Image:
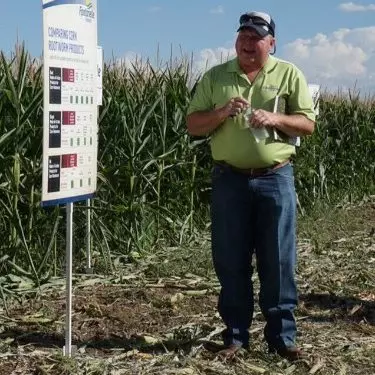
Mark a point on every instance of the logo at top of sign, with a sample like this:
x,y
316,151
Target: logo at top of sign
x,y
87,11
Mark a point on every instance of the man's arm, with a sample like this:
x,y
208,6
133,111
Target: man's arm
x,y
293,125
300,119
204,122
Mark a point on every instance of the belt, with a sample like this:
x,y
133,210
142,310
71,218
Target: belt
x,y
254,172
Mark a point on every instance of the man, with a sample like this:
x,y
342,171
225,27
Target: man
x,y
253,205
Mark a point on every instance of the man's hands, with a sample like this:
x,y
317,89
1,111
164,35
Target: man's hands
x,y
205,122
235,106
293,125
260,118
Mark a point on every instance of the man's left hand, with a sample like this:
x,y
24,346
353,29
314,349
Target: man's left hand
x,y
261,118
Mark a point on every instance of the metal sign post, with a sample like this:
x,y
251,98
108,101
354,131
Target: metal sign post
x,y
69,276
89,269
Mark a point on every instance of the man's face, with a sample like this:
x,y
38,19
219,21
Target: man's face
x,y
252,49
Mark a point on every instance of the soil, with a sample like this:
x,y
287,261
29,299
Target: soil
x,y
151,326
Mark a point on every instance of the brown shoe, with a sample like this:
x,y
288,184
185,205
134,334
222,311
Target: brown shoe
x,y
230,351
291,353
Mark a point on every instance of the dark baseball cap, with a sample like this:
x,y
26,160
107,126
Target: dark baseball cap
x,y
260,22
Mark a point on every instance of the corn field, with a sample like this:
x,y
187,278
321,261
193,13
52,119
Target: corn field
x,y
153,179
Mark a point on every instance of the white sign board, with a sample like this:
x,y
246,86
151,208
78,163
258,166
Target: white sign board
x,y
99,75
315,94
70,100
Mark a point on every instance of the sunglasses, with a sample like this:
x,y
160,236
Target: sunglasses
x,y
245,18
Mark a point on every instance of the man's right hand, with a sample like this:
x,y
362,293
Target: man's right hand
x,y
235,106
205,122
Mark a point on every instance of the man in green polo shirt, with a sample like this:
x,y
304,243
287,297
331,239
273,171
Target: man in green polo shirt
x,y
254,108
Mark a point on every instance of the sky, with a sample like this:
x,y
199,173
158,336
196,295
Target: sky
x,y
332,42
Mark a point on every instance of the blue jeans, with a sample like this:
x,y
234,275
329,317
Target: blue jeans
x,y
255,214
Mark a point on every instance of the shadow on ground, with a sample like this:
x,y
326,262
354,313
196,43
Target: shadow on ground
x,y
341,307
22,337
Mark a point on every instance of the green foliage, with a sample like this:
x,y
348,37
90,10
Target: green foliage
x,y
153,179
337,163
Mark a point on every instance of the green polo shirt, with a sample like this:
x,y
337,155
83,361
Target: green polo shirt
x,y
232,142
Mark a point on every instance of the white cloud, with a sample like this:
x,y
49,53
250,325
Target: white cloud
x,y
130,59
201,61
352,7
209,57
218,10
343,59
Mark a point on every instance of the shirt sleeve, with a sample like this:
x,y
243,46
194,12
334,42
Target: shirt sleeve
x,y
300,100
202,97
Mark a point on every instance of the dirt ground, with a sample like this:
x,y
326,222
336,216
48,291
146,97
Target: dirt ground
x,y
161,325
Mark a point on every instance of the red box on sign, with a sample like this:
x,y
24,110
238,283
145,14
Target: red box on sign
x,y
68,75
69,118
69,160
